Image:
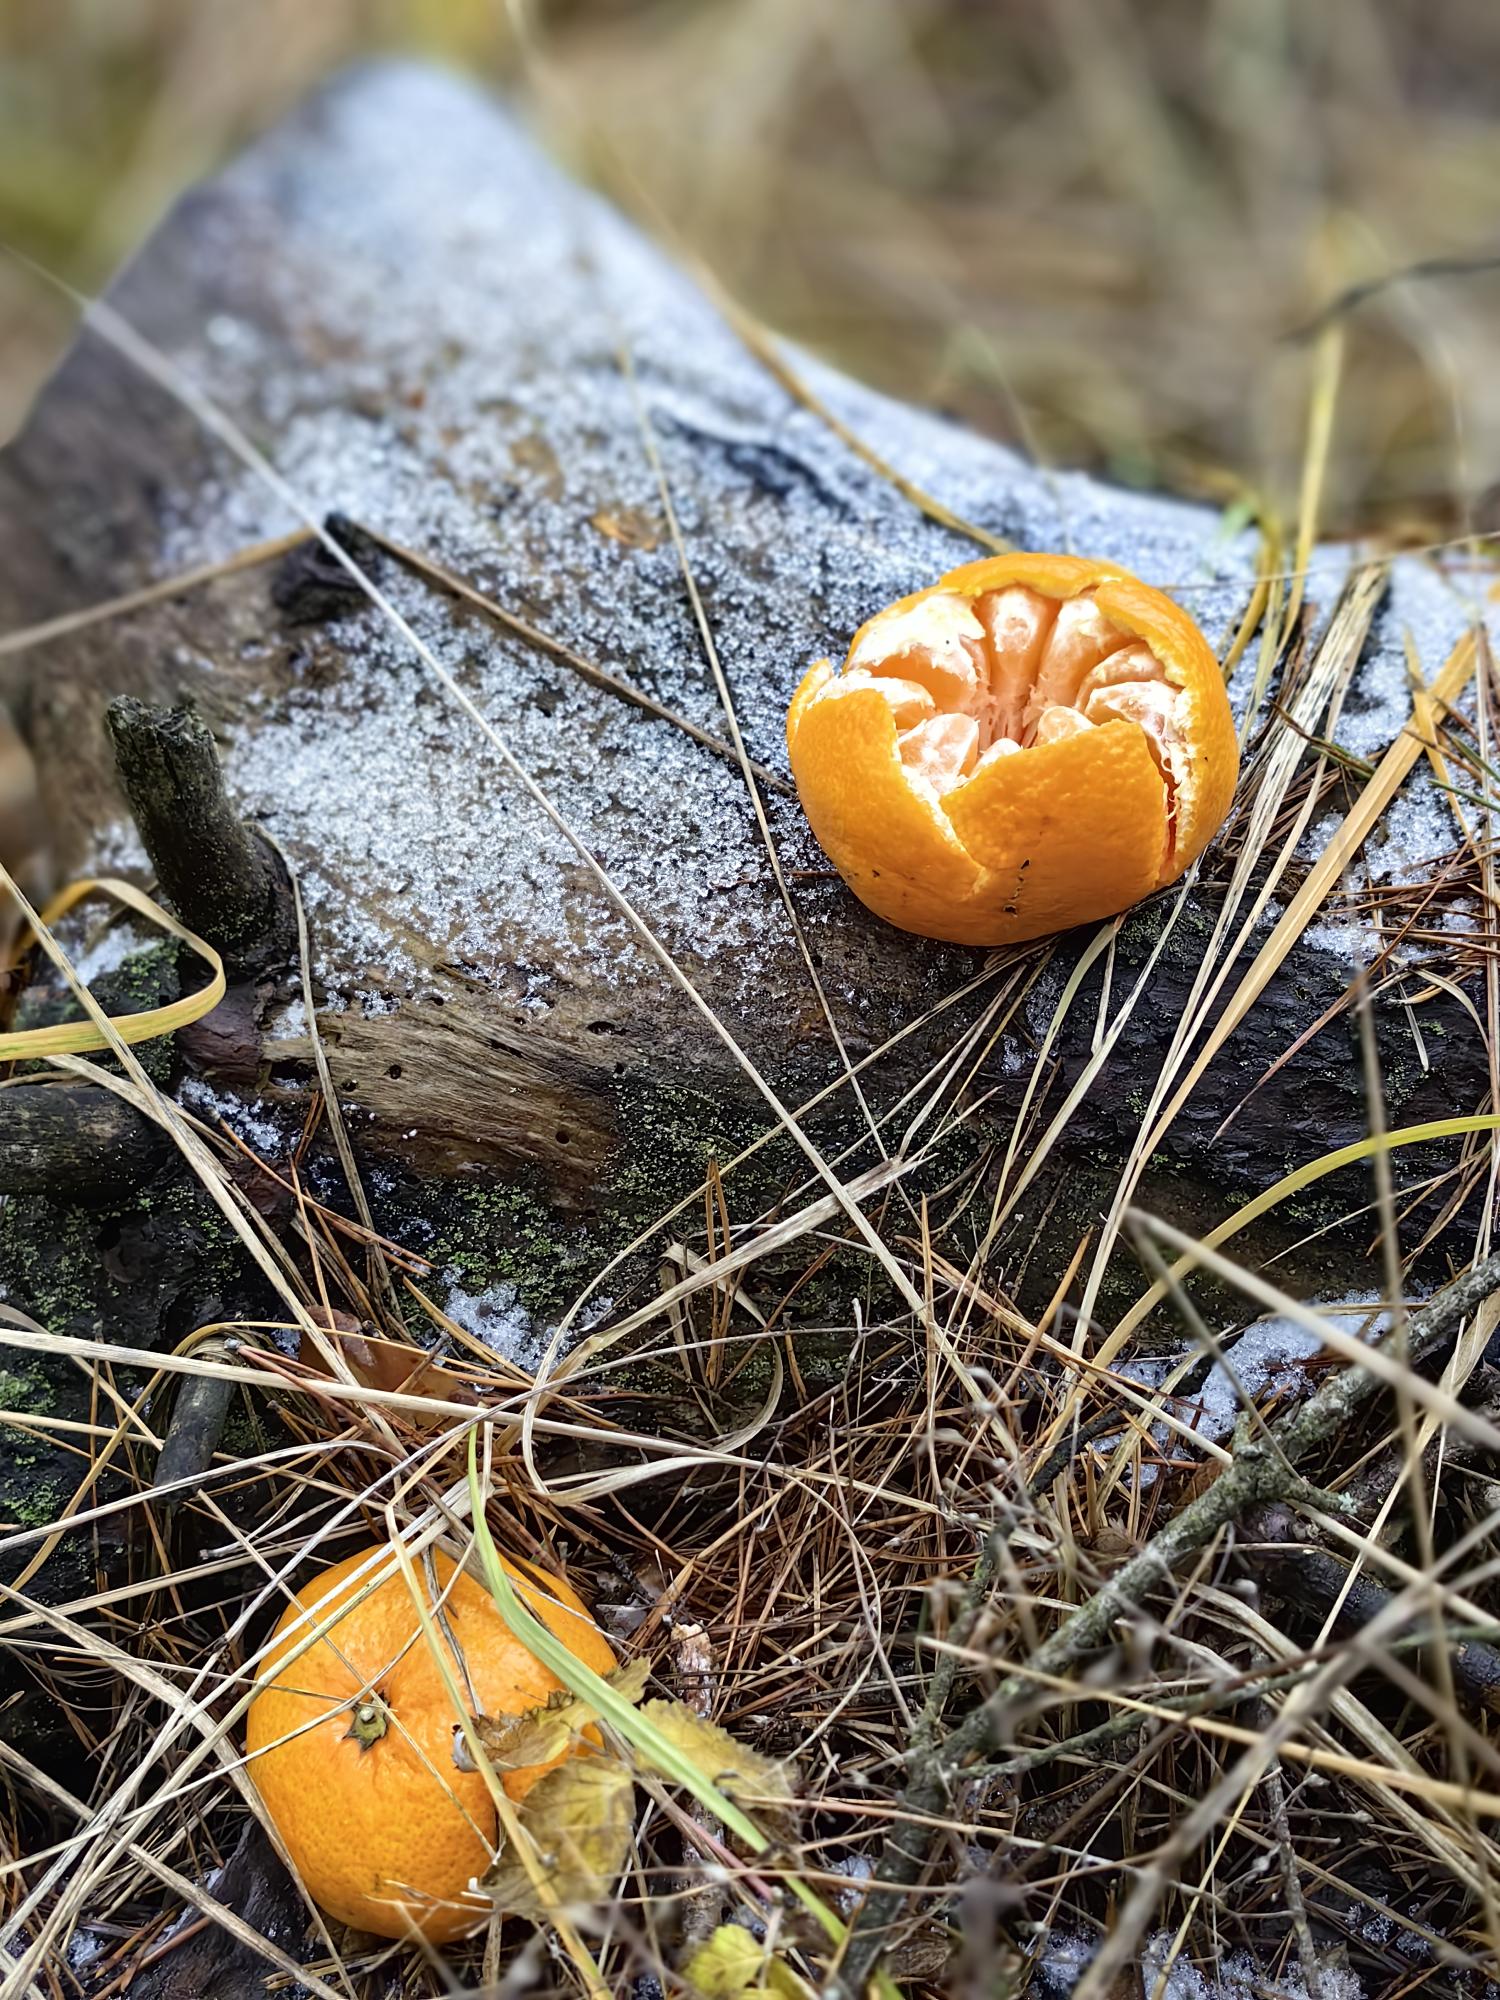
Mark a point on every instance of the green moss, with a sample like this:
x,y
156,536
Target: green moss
x,y
503,1233
671,1132
507,1233
25,1389
38,1508
186,1201
49,1259
100,1273
244,1433
31,1493
146,979
71,1267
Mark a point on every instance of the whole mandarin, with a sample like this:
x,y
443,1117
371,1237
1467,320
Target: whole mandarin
x,y
350,1742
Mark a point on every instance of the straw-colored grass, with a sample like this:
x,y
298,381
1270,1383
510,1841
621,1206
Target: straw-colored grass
x,y
993,1600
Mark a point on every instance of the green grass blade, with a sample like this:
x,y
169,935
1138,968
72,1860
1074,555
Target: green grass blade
x,y
627,1722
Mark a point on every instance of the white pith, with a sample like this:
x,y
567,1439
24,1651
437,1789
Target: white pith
x,y
971,681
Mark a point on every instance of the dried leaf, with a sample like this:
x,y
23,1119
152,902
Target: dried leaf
x,y
545,1733
630,526
926,1953
732,1965
390,1364
750,1779
580,1817
540,1736
631,1680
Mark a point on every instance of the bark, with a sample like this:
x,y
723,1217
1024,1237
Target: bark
x,y
201,1957
75,1142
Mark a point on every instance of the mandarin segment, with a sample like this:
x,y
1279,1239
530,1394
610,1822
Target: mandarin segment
x,y
1080,638
1035,741
350,1742
936,640
944,751
1017,623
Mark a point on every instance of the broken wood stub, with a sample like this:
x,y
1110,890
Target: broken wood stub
x,y
219,875
75,1142
199,1412
311,584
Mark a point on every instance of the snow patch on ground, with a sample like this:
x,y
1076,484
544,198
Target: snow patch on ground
x,y
84,1946
496,1318
288,1023
257,1124
1264,1360
107,949
1236,1976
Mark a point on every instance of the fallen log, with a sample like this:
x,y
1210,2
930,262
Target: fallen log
x,y
432,333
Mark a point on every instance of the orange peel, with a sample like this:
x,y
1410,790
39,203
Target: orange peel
x,y
1033,742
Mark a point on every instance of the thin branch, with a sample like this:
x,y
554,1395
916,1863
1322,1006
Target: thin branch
x,y
1261,1472
586,669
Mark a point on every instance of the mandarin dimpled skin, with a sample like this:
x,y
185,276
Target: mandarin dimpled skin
x,y
383,1828
1033,742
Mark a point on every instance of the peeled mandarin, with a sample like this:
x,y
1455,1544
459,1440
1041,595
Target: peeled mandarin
x,y
1033,742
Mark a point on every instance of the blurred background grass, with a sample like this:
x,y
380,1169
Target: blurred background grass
x,y
1087,226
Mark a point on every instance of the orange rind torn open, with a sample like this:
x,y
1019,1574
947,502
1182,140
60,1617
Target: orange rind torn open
x,y
1036,741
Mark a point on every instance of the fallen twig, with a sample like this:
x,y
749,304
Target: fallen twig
x,y
1310,1578
557,649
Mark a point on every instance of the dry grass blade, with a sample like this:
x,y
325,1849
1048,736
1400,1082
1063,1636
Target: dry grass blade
x,y
588,670
1394,768
379,1270
254,557
748,768
76,1037
977,1573
766,349
1331,673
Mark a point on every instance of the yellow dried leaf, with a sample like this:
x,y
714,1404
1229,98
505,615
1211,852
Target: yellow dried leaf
x,y
543,1734
579,1817
540,1736
742,1774
630,1680
732,1965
